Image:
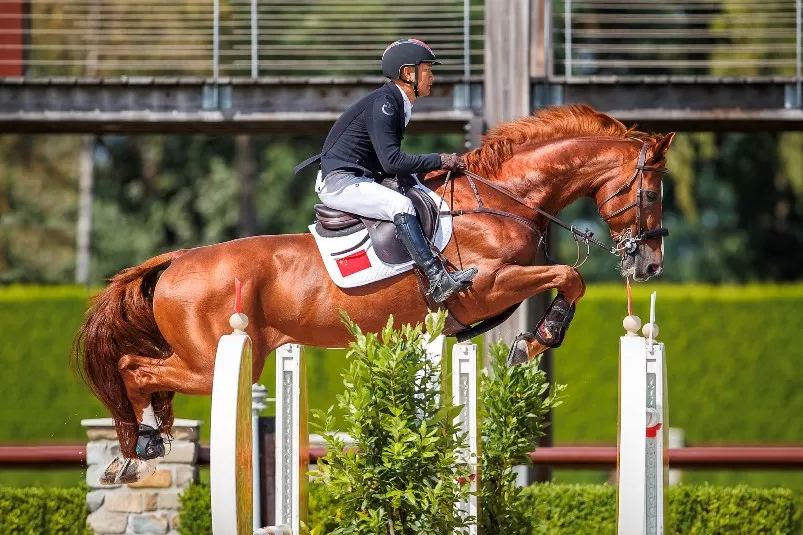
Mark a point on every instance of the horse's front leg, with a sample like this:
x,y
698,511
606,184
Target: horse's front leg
x,y
527,281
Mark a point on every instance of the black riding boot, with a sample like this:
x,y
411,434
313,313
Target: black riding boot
x,y
442,284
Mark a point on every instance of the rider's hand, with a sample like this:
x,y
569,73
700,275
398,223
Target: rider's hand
x,y
452,162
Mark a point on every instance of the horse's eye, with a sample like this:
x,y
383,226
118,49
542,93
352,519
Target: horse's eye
x,y
652,196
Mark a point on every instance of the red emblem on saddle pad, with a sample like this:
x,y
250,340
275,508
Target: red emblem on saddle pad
x,y
348,265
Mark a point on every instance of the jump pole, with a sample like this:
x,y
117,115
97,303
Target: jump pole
x,y
642,445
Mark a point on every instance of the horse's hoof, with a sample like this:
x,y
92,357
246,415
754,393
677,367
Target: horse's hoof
x,y
109,476
122,471
518,351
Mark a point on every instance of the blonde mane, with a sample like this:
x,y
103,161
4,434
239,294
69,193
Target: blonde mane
x,y
551,123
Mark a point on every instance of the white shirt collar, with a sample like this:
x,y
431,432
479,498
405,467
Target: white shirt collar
x,y
408,106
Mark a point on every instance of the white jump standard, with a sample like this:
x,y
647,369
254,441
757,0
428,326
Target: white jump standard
x,y
292,438
643,454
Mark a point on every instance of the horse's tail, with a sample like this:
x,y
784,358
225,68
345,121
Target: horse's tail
x,y
120,322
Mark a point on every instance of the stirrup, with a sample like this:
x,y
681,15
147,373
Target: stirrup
x,y
467,275
452,286
150,444
556,322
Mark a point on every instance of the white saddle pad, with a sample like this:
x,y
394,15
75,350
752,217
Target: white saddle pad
x,y
359,265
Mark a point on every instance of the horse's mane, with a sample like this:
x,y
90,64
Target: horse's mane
x,y
546,124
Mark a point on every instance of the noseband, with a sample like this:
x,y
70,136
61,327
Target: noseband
x,y
625,242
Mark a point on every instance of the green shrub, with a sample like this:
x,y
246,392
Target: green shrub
x,y
403,475
35,511
196,510
556,509
325,512
515,402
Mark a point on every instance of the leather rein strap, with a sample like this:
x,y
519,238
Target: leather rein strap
x,y
585,236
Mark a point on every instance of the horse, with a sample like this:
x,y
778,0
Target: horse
x,y
153,330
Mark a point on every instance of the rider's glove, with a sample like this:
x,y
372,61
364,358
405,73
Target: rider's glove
x,y
452,162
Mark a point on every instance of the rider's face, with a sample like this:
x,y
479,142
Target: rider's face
x,y
425,79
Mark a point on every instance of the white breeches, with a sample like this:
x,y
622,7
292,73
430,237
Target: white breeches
x,y
361,195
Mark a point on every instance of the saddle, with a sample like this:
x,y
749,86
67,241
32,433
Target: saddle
x,y
331,222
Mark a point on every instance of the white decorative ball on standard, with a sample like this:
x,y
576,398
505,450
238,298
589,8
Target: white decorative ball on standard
x,y
631,325
238,321
650,330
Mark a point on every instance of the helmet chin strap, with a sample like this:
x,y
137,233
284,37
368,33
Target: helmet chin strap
x,y
414,83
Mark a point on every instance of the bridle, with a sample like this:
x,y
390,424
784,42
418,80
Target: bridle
x,y
625,242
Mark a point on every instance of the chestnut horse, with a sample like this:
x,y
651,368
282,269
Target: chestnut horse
x,y
148,336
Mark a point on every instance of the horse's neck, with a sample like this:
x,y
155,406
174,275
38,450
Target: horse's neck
x,y
553,179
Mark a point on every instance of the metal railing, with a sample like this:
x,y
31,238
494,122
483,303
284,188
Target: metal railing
x,y
304,38
677,37
218,38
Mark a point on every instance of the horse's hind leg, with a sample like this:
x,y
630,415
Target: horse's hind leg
x,y
150,384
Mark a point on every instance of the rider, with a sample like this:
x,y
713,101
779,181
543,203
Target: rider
x,y
364,147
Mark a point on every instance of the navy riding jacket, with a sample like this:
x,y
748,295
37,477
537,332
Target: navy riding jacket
x,y
367,138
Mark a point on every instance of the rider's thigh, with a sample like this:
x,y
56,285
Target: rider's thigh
x,y
366,198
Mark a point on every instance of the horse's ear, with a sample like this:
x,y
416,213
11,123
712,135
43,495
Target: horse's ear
x,y
661,146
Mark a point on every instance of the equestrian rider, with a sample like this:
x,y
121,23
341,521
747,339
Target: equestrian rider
x,y
364,147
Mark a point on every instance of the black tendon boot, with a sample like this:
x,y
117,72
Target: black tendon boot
x,y
150,444
442,284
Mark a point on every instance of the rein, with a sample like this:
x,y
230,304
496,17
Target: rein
x,y
626,243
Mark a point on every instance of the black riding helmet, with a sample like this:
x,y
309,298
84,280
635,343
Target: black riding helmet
x,y
406,53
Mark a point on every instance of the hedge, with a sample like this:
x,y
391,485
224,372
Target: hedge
x,y
36,511
591,510
693,510
733,363
556,510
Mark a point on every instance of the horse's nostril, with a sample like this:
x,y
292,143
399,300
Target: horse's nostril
x,y
653,269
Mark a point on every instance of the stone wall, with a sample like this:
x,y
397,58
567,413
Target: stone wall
x,y
147,507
